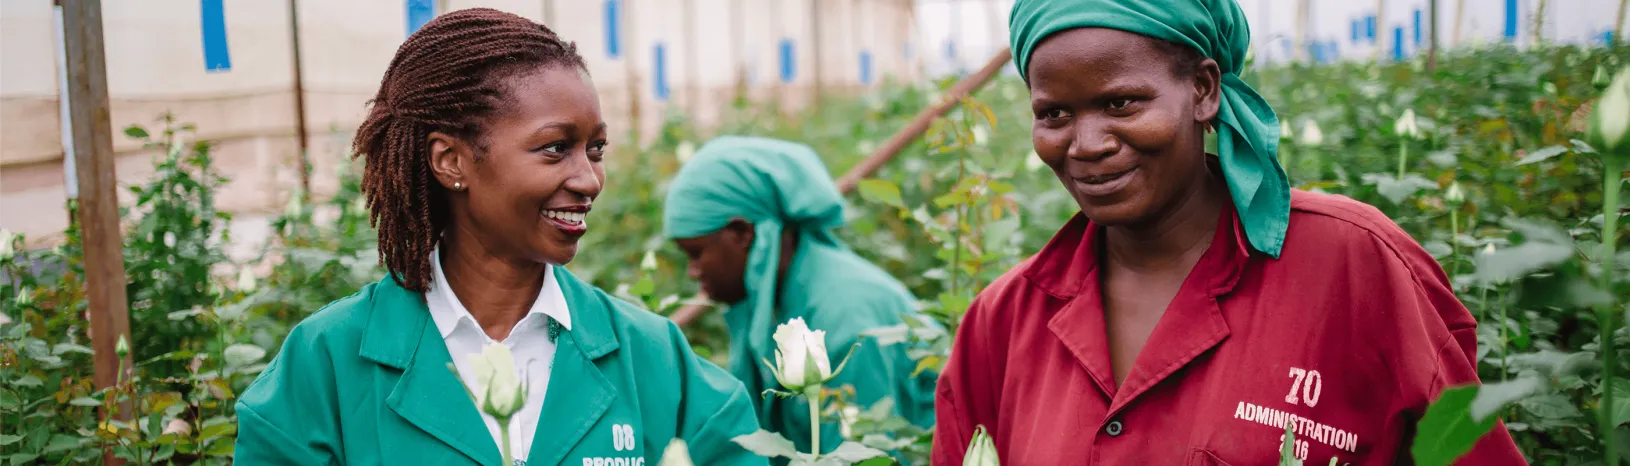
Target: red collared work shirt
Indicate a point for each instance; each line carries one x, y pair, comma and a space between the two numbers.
1348, 336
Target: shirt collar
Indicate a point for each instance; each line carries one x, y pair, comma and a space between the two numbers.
447, 311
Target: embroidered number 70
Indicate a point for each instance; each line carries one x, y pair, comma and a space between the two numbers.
1308, 384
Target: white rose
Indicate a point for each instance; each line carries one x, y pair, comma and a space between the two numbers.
1610, 120
8, 242
1311, 135
1405, 126
800, 355
685, 151
497, 389
677, 454
981, 452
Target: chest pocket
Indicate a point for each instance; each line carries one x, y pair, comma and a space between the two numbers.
612, 442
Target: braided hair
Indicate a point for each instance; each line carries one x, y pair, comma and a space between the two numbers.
447, 77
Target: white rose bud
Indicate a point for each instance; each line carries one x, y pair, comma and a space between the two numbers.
685, 151
677, 454
178, 427
1284, 130
649, 262
246, 280
497, 389
1610, 119
1311, 135
8, 242
800, 355
981, 451
122, 348
1454, 195
4, 319
1405, 127
25, 296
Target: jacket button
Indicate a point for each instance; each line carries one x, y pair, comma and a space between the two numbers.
1114, 428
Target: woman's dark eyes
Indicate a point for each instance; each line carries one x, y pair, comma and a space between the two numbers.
557, 148
1053, 114
1119, 104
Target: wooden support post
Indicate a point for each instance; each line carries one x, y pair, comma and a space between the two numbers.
631, 66
1460, 16
549, 14
1539, 24
98, 200
300, 136
1618, 22
815, 46
1432, 51
693, 72
896, 144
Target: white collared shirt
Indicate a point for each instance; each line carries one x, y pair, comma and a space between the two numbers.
529, 341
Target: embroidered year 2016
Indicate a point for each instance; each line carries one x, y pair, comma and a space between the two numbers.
622, 440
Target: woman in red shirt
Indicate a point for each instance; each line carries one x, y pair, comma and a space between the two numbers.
1197, 305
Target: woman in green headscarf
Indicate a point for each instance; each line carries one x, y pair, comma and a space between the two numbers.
756, 218
1197, 307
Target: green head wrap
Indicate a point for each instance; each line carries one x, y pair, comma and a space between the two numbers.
767, 182
1247, 130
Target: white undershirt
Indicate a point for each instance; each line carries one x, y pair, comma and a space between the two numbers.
529, 341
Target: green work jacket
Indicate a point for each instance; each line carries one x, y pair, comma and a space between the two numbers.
366, 381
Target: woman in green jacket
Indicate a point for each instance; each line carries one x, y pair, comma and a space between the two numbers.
484, 149
755, 216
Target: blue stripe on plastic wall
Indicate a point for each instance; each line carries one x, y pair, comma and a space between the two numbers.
660, 56
865, 66
613, 29
418, 13
217, 56
789, 61
1398, 43
1510, 19
1417, 28
1355, 25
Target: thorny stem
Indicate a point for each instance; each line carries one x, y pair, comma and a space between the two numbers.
1612, 172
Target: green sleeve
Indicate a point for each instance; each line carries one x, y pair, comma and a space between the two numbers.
716, 408
286, 416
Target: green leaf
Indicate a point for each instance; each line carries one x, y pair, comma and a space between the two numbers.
1448, 430
884, 461
223, 447
1494, 396
889, 335
1542, 154
28, 381
644, 286
23, 458
85, 401
767, 444
136, 132
1545, 246
217, 430
851, 452
61, 443
1621, 407
9, 400
881, 191
71, 348
243, 354
8, 439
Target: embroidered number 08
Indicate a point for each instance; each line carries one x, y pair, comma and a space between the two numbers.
1308, 384
622, 437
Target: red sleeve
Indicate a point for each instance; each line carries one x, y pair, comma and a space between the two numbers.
969, 389
1438, 340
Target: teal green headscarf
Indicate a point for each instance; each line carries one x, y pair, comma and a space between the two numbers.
771, 184
1247, 130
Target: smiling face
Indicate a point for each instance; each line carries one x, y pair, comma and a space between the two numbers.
523, 188
1120, 122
